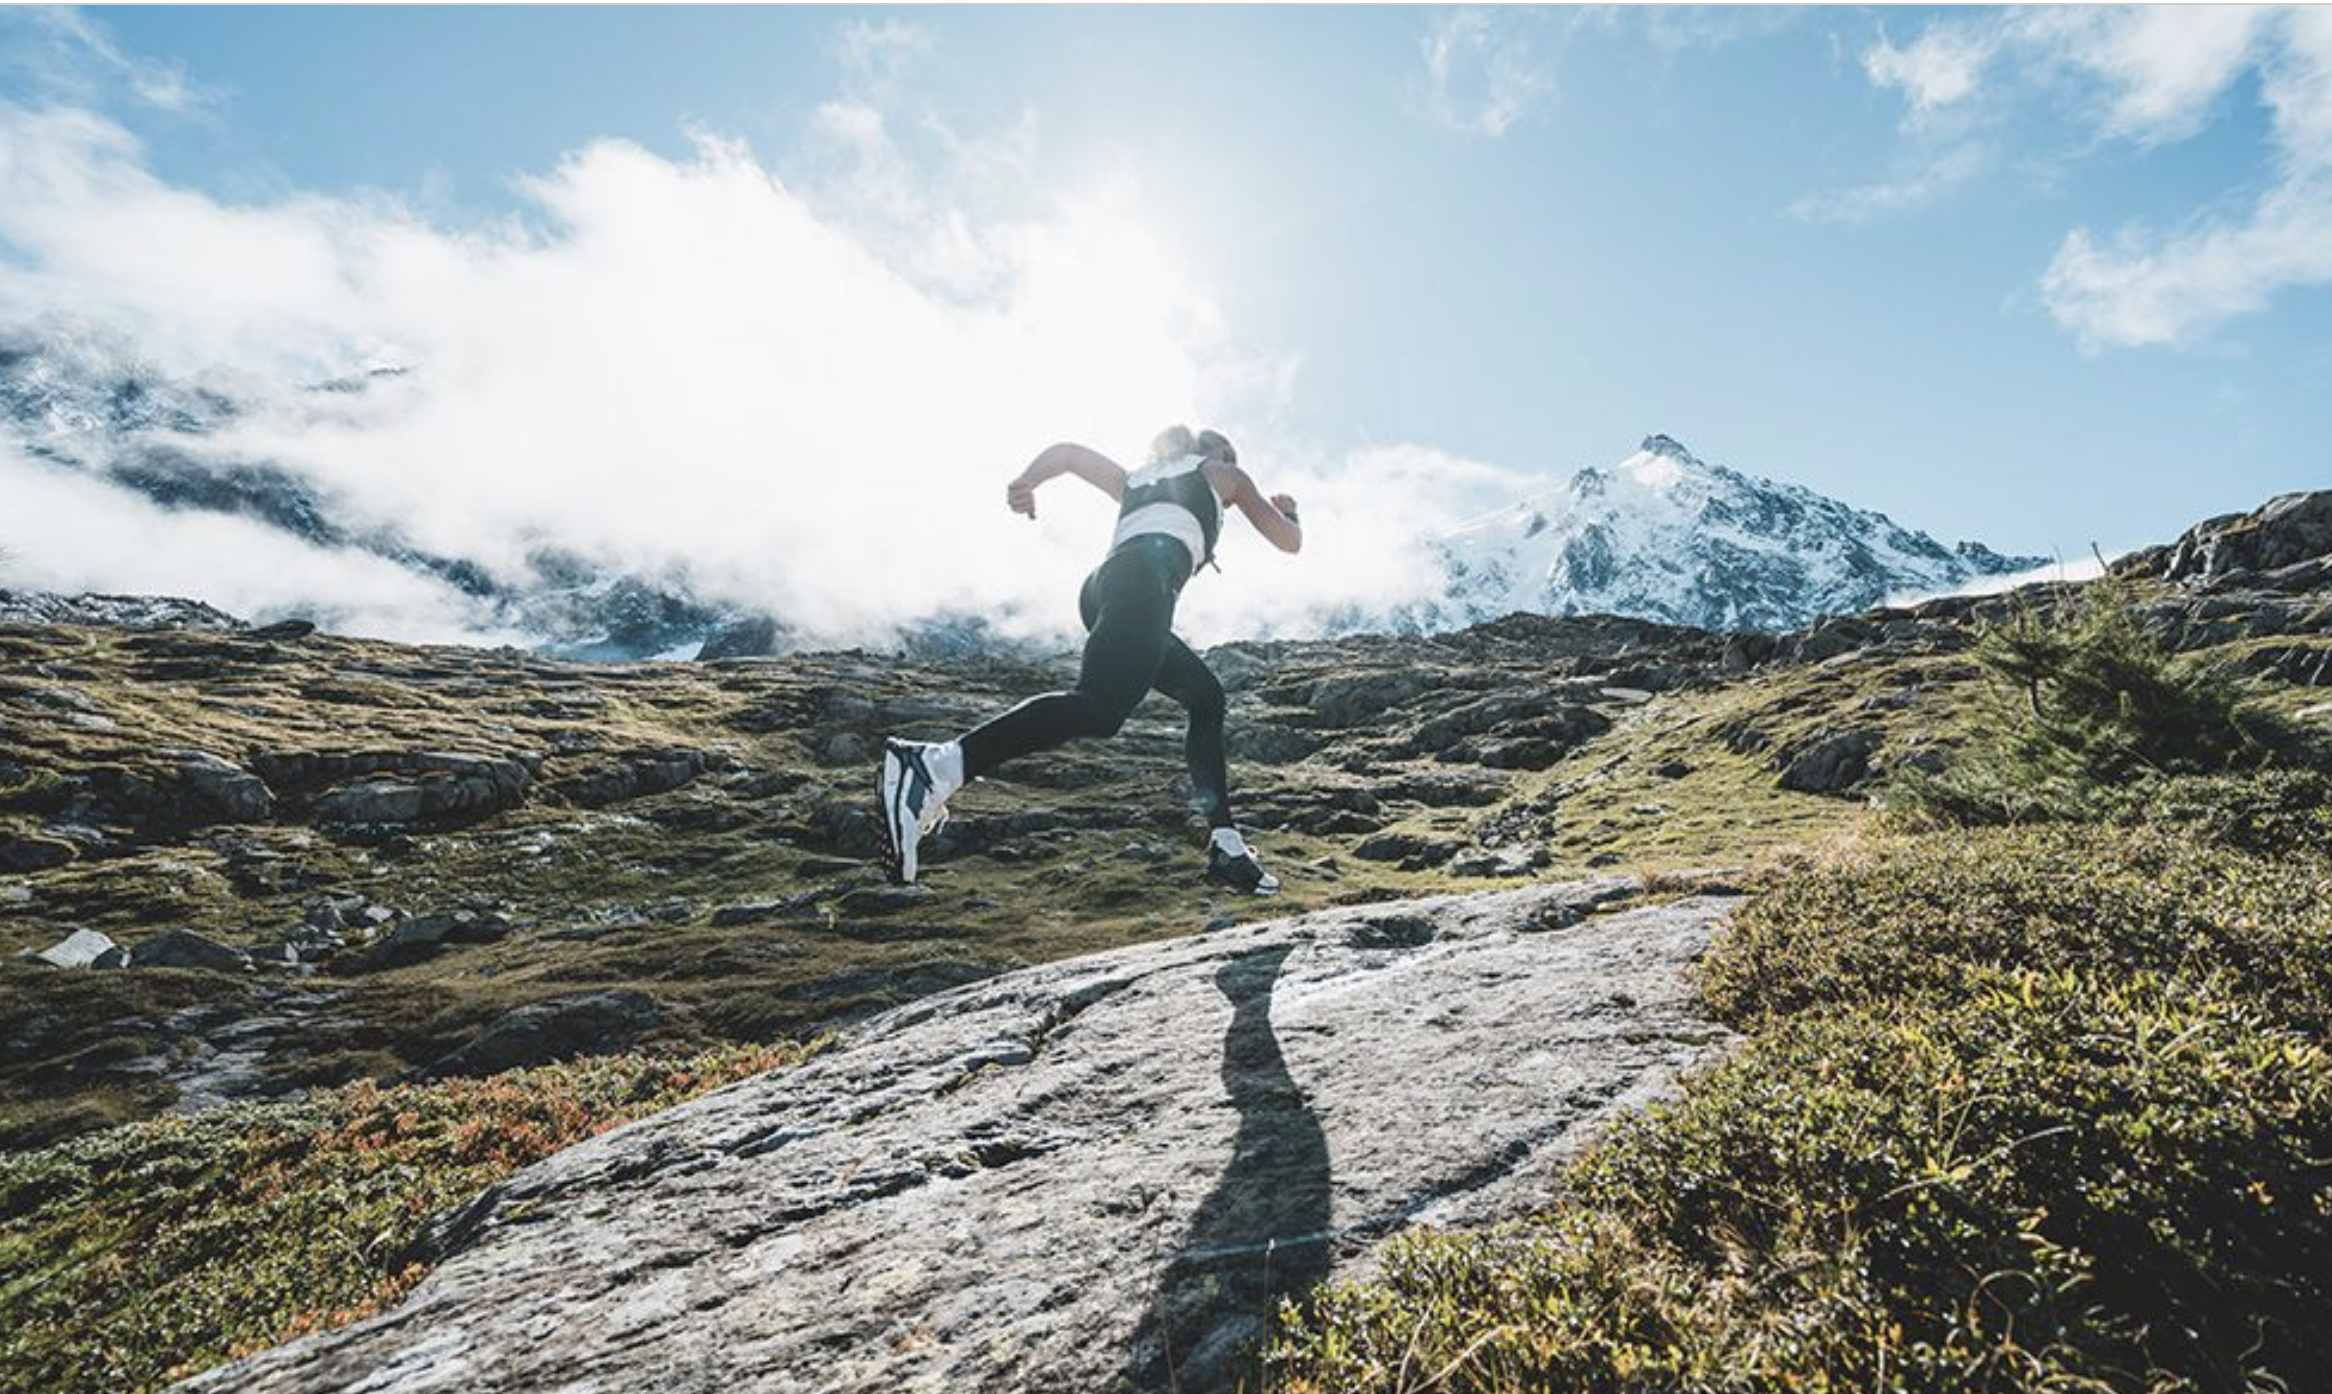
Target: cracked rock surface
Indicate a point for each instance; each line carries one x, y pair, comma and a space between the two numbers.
1097, 1174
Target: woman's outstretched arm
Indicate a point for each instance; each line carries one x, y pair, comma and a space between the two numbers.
1274, 517
1053, 461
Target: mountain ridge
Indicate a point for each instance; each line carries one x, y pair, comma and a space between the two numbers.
1661, 535
1664, 535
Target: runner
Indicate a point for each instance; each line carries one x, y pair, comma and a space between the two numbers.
1169, 514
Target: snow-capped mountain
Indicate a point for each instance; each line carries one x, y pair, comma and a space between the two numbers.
1664, 535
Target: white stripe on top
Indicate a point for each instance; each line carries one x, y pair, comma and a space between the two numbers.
1172, 519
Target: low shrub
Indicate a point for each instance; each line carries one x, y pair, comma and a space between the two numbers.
2057, 1183
141, 1254
1928, 915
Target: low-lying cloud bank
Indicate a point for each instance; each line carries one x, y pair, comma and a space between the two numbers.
675, 366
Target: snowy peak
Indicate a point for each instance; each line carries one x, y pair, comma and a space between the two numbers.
1664, 535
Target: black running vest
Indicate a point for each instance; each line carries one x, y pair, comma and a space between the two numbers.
1182, 483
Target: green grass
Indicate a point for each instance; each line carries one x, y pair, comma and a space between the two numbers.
1690, 780
144, 1253
2021, 1109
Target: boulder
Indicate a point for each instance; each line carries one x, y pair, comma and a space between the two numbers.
372, 801
1091, 1175
1409, 850
183, 948
755, 637
1355, 699
428, 787
1831, 763
80, 949
2285, 531
238, 795
592, 1023
1745, 651
33, 853
631, 776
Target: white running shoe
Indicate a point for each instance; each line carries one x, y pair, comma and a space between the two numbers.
912, 804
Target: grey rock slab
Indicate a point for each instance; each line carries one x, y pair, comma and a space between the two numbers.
1091, 1175
183, 948
540, 1032
80, 949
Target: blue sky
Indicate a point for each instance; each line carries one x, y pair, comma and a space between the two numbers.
2034, 277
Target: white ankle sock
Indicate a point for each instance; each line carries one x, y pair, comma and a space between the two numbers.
946, 763
1229, 840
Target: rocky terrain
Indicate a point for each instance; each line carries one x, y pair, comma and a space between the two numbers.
238, 862
355, 859
1098, 1175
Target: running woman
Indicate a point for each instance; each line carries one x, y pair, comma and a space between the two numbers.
1169, 513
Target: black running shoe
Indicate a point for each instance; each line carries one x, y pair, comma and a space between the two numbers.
1241, 873
910, 809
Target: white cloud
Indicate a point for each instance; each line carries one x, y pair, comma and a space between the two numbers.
672, 364
1368, 518
1943, 66
2144, 75
1481, 72
71, 533
2063, 573
880, 49
2142, 287
2162, 66
2136, 289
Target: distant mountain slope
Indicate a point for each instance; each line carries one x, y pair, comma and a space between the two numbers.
1664, 535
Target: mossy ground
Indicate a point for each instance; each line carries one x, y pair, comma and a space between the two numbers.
144, 1253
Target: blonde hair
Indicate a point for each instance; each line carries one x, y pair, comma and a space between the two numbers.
1173, 443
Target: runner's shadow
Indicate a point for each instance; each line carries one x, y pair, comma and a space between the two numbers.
1262, 1233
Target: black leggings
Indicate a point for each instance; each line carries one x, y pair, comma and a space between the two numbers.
1128, 609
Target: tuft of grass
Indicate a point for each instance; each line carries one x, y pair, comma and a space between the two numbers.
145, 1253
2035, 1108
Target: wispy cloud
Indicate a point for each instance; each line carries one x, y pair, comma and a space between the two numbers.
2141, 76
878, 54
1482, 70
2160, 68
60, 53
2141, 286
1930, 180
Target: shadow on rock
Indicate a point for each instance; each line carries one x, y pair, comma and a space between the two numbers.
1262, 1233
